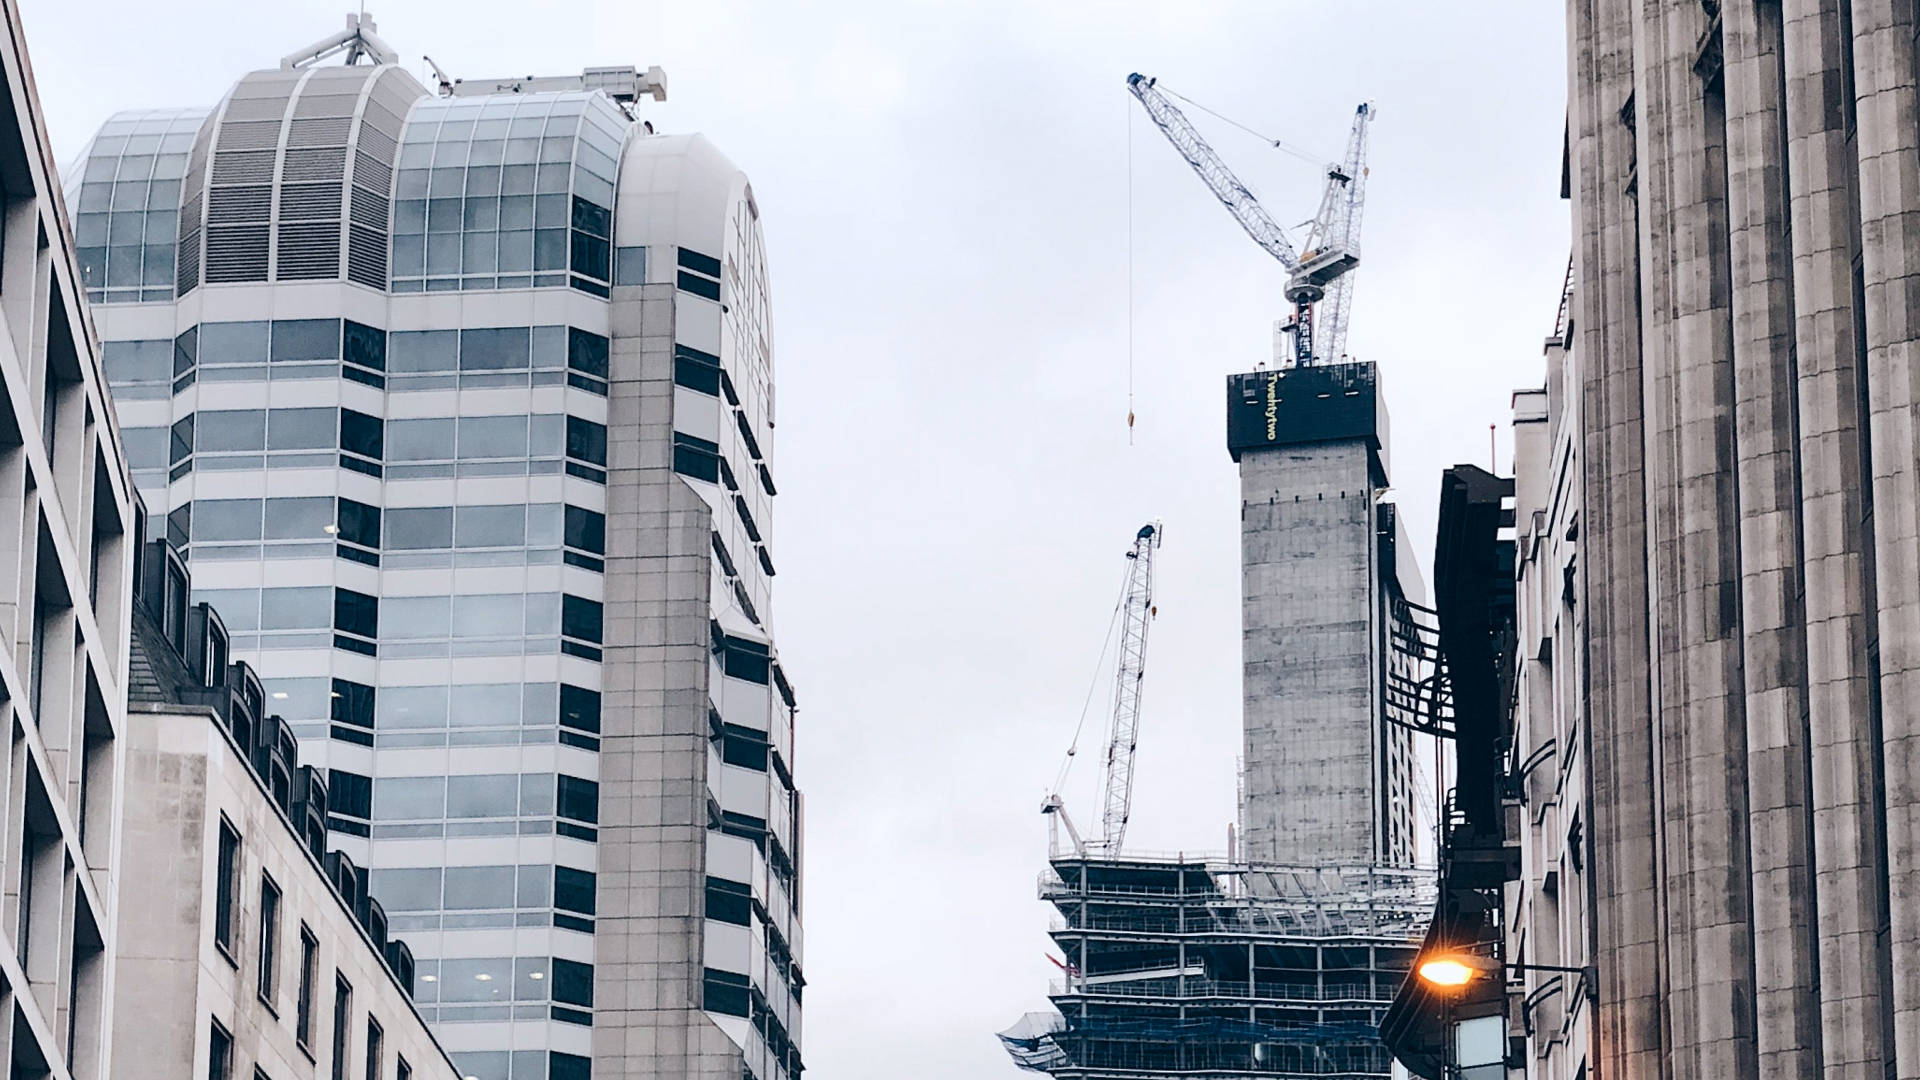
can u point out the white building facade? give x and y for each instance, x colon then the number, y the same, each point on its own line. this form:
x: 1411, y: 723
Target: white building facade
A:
x: 67, y: 522
x: 461, y: 407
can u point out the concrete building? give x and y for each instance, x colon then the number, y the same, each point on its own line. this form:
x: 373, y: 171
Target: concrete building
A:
x: 1325, y: 579
x: 246, y: 948
x: 1745, y: 181
x: 460, y: 403
x: 67, y: 521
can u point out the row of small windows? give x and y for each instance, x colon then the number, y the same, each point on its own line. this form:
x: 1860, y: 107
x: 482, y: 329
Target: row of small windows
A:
x: 486, y: 888
x: 437, y: 706
x: 436, y: 798
x: 521, y: 1065
x: 370, y: 440
x: 315, y: 348
x: 411, y: 618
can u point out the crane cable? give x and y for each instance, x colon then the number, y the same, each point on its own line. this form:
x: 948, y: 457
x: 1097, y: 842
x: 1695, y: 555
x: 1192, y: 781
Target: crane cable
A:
x: 1278, y: 144
x: 1099, y: 667
x: 1129, y: 273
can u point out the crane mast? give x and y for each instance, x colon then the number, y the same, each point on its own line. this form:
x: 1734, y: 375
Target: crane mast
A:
x: 1318, y: 273
x: 1129, y: 679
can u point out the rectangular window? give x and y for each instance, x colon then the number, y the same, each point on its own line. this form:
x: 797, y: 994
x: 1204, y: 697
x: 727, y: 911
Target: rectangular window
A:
x: 579, y: 708
x: 581, y: 618
x: 568, y: 1066
x: 573, y: 983
x: 729, y: 901
x: 402, y: 1070
x: 356, y: 613
x: 269, y: 940
x: 352, y: 703
x: 573, y: 890
x: 309, y: 971
x: 586, y: 530
x: 696, y: 457
x: 226, y: 887
x: 699, y: 286
x: 366, y: 346
x: 745, y: 747
x: 696, y: 369
x: 219, y: 1053
x: 587, y: 441
x: 579, y: 799
x: 349, y: 793
x: 342, y: 1032
x: 357, y: 523
x: 362, y: 434
x: 587, y: 352
x: 725, y: 992
x: 376, y: 1048
x: 694, y: 260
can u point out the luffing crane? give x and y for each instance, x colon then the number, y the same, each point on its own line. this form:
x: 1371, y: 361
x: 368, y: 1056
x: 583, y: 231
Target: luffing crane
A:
x: 1319, y: 277
x: 1129, y: 678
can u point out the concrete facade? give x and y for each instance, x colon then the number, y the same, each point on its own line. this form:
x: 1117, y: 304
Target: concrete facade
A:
x: 175, y: 982
x: 67, y: 524
x: 1745, y: 180
x: 1327, y: 779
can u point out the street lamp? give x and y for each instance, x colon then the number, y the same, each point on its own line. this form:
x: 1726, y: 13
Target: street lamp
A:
x: 1453, y: 970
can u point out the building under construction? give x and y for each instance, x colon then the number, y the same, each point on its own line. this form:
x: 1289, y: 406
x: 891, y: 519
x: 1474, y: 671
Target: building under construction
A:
x: 1189, y: 966
x: 1282, y: 960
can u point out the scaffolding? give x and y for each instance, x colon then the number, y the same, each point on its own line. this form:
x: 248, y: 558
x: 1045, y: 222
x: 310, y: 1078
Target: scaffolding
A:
x: 1190, y: 966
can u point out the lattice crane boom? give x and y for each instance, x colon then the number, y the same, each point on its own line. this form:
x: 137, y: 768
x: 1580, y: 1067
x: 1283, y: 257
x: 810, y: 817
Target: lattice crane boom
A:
x: 1319, y: 272
x: 1129, y: 679
x: 1123, y: 736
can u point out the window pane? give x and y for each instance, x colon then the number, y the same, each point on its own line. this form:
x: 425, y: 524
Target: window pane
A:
x: 494, y: 349
x: 489, y: 616
x: 301, y: 429
x: 491, y: 526
x: 308, y: 608
x: 586, y: 440
x: 233, y: 429
x: 543, y: 525
x: 146, y: 448
x: 356, y: 613
x: 579, y: 799
x: 409, y: 798
x: 238, y: 608
x: 407, y: 889
x: 411, y: 351
x: 486, y: 705
x: 415, y: 528
x: 580, y: 618
x: 586, y: 530
x: 233, y: 343
x: 226, y: 519
x: 420, y: 440
x: 299, y: 519
x: 573, y: 890
x: 359, y: 523
x: 478, y: 980
x: 366, y: 346
x: 306, y: 339
x: 361, y: 434
x: 411, y: 707
x: 483, y: 796
x: 416, y: 617
x: 474, y: 887
x: 493, y: 436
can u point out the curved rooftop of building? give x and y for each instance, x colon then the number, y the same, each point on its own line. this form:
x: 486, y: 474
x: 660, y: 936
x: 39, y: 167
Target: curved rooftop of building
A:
x: 352, y: 173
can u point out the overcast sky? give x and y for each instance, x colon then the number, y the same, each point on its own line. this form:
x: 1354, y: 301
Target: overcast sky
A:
x: 945, y: 194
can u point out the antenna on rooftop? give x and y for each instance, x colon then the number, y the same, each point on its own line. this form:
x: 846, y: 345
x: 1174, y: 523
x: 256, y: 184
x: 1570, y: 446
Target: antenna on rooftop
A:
x: 358, y: 40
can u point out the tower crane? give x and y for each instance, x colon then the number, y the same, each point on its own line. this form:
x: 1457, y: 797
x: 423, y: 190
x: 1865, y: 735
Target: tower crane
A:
x: 1319, y: 282
x: 1129, y: 677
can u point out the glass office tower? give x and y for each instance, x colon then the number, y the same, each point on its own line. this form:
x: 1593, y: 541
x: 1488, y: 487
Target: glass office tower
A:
x: 460, y: 403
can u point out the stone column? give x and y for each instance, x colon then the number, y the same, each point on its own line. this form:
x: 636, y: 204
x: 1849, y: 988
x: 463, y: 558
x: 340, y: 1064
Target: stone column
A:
x: 1774, y: 652
x: 1628, y: 1022
x: 1835, y: 547
x: 1887, y: 138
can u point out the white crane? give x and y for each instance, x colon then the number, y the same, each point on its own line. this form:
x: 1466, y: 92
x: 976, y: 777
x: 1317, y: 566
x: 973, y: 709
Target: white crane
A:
x: 1129, y: 678
x: 1320, y: 276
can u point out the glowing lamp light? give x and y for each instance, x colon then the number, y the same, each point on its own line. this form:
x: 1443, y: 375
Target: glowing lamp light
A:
x: 332, y: 530
x: 1453, y: 970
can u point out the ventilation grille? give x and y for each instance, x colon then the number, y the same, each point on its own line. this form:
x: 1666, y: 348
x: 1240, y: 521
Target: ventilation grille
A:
x: 367, y: 257
x: 255, y: 109
x: 250, y: 135
x: 306, y: 202
x: 243, y: 167
x: 309, y: 250
x: 322, y: 163
x: 332, y: 104
x: 367, y: 208
x: 327, y: 131
x: 238, y: 205
x: 236, y: 253
x: 371, y: 173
